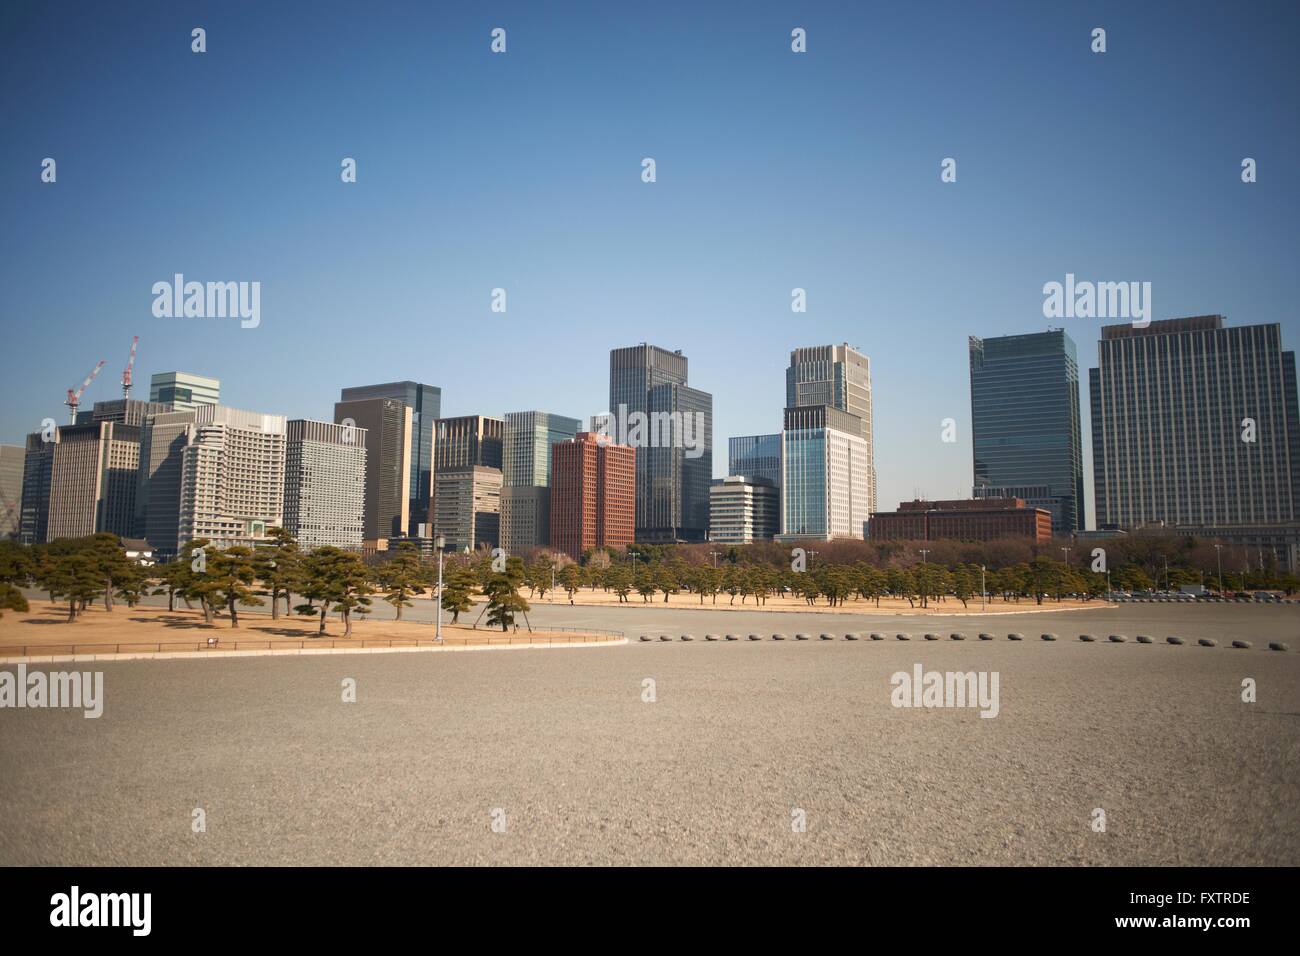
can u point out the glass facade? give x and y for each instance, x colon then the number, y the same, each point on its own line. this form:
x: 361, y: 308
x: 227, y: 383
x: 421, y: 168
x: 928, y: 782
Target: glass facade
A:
x: 425, y: 402
x: 755, y: 456
x: 1025, y: 420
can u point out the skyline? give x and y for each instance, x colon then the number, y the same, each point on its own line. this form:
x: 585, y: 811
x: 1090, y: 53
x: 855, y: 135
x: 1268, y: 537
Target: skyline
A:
x: 526, y: 176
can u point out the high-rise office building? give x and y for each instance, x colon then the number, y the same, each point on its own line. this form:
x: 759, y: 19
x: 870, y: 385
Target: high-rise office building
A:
x: 743, y: 510
x: 755, y: 456
x: 93, y: 480
x: 164, y: 437
x: 12, y: 460
x: 38, y: 464
x: 593, y: 494
x: 425, y: 402
x: 466, y: 441
x: 468, y: 503
x: 838, y: 376
x: 526, y: 476
x: 184, y: 391
x: 1025, y: 423
x: 1195, y: 425
x: 232, y: 477
x: 828, y: 484
x: 127, y: 411
x: 387, y: 422
x: 324, y: 484
x: 670, y: 424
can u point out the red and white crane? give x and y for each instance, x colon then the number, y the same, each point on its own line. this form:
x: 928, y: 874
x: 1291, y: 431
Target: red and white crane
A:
x: 126, y: 374
x: 74, y: 398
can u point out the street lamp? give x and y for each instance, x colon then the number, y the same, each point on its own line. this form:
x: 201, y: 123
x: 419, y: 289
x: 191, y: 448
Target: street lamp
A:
x: 811, y: 555
x: 439, y: 542
x: 1218, y: 553
x: 715, y: 557
x: 984, y: 594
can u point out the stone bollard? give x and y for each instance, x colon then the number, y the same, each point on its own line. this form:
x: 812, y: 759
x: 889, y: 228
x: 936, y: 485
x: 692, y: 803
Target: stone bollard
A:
x: 687, y: 637
x: 986, y: 637
x: 956, y: 637
x: 732, y: 637
x: 903, y: 637
x: 1014, y: 637
x: 1174, y: 640
x: 778, y: 637
x: 1087, y: 638
x: 646, y: 637
x: 710, y: 637
x: 755, y: 637
x: 1143, y: 639
x: 1276, y: 646
x: 874, y: 637
x: 854, y: 637
x: 1117, y: 638
x: 1208, y: 642
x: 932, y: 637
x: 1049, y: 637
x: 1241, y: 643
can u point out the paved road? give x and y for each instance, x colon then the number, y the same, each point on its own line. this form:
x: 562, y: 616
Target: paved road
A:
x: 740, y: 736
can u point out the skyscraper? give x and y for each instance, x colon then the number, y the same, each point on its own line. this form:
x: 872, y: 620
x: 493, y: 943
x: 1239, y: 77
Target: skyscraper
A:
x: 12, y: 459
x: 1024, y: 392
x: 1195, y: 424
x: 671, y: 425
x: 93, y: 480
x: 593, y: 494
x: 387, y: 422
x: 468, y: 503
x: 325, y: 484
x: 163, y: 440
x: 184, y: 391
x: 467, y: 442
x: 755, y: 456
x: 425, y: 403
x: 827, y: 485
x: 526, y: 474
x: 232, y: 477
x: 38, y: 464
x: 838, y: 376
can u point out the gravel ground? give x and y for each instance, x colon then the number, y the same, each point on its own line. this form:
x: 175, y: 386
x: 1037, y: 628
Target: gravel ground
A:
x: 741, y: 734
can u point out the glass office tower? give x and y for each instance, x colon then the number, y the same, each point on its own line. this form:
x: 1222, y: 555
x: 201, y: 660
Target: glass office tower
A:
x: 1025, y: 423
x: 425, y: 403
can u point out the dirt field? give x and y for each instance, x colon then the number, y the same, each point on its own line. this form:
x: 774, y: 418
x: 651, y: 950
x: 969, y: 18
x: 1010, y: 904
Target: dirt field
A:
x: 589, y: 598
x: 45, y: 630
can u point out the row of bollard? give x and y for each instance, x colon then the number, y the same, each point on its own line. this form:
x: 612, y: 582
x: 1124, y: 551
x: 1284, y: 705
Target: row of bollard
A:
x: 1086, y: 638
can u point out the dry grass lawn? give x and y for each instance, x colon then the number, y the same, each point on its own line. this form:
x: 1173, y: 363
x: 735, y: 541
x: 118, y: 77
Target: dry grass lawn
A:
x: 45, y: 630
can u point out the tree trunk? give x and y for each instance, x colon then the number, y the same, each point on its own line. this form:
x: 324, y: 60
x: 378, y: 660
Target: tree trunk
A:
x: 171, y: 599
x: 234, y: 615
x: 108, y: 596
x: 275, y: 604
x: 207, y: 611
x: 72, y: 610
x: 321, y: 632
x: 347, y: 622
x: 401, y: 598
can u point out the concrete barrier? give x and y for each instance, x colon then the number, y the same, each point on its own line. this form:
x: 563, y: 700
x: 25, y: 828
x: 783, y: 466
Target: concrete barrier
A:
x: 1174, y: 640
x: 778, y: 637
x: 1015, y: 637
x: 956, y: 637
x: 986, y: 637
x: 903, y: 637
x: 1276, y: 646
x: 874, y: 637
x: 1143, y: 639
x: 1049, y: 637
x: 710, y: 637
x: 932, y: 637
x: 1087, y: 638
x: 1117, y: 638
x: 1241, y: 643
x: 732, y: 637
x: 688, y: 637
x: 1208, y: 642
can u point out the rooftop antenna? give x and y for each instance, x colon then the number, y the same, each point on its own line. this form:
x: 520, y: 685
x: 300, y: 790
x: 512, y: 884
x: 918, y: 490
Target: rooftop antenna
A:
x: 126, y: 373
x: 74, y: 398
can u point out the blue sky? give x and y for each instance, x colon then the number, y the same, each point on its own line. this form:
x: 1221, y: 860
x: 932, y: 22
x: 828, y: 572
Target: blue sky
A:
x: 522, y: 171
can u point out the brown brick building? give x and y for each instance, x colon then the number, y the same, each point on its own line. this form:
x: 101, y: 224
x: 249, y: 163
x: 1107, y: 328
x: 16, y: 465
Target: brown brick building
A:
x: 980, y: 519
x: 593, y: 494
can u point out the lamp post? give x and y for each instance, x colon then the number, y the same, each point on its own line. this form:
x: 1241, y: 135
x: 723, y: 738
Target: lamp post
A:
x: 984, y: 594
x: 715, y: 557
x: 1218, y: 554
x: 439, y: 542
x: 811, y: 555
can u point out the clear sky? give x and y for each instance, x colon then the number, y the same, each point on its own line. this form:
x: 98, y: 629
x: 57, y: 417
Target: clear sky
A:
x: 523, y: 171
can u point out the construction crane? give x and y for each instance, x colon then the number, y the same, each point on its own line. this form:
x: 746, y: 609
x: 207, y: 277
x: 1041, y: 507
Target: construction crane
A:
x: 126, y: 374
x: 74, y: 398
